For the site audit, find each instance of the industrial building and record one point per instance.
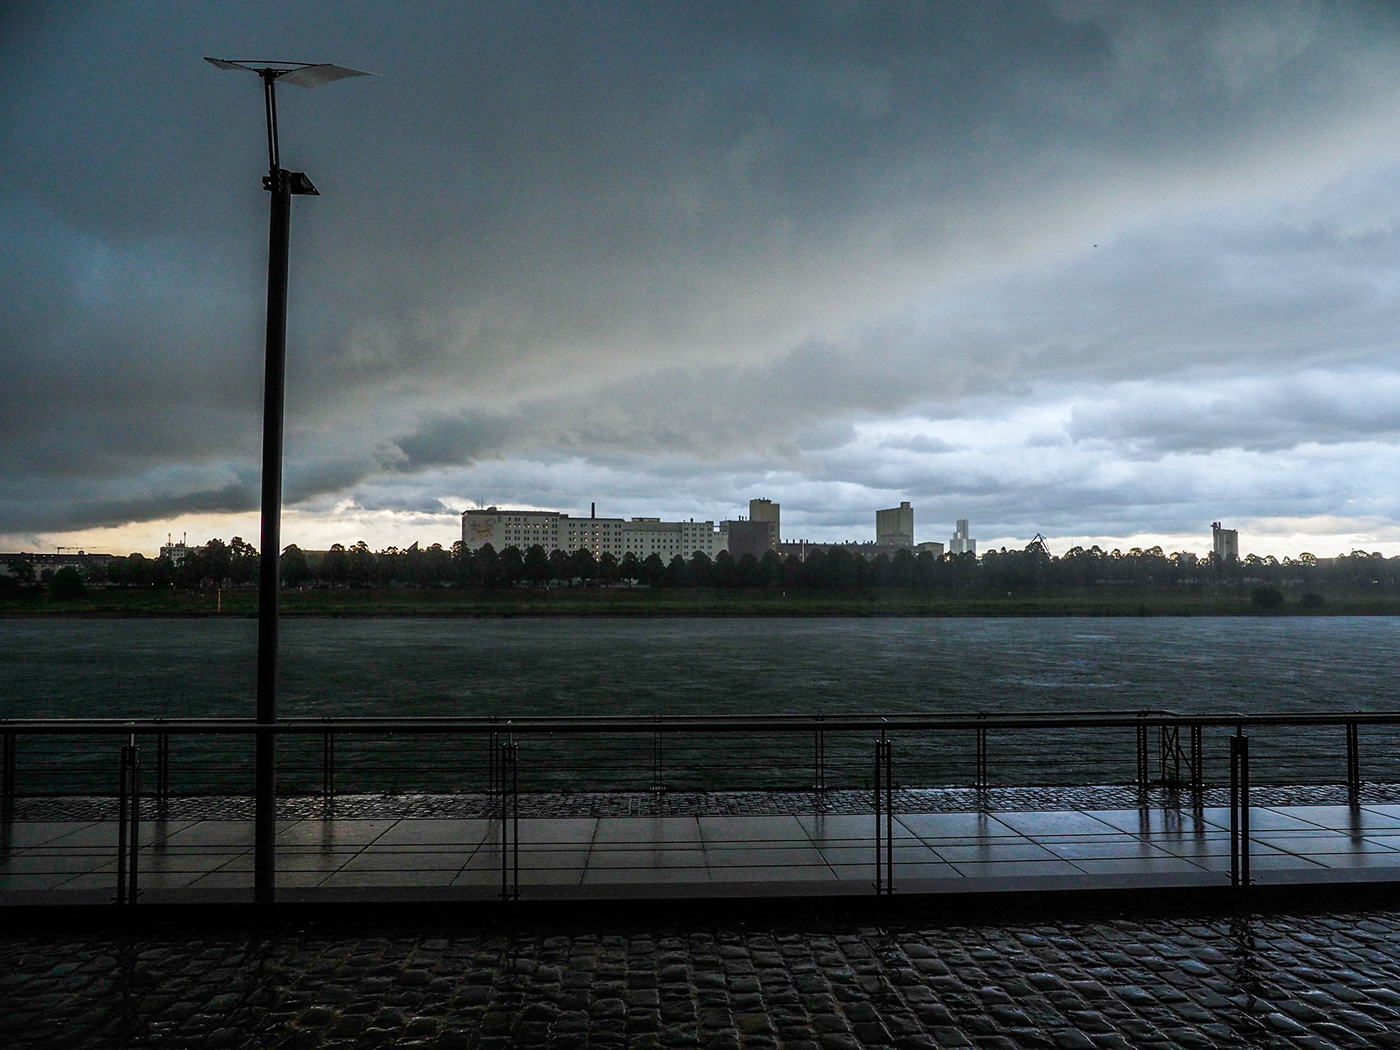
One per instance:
(895, 527)
(767, 510)
(1224, 542)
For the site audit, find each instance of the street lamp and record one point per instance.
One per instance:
(282, 184)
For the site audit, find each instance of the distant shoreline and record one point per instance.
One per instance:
(671, 603)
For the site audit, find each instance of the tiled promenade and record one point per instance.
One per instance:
(358, 855)
(814, 975)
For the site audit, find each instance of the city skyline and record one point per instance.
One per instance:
(1102, 275)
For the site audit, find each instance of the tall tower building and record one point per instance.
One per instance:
(895, 527)
(766, 510)
(1225, 542)
(961, 542)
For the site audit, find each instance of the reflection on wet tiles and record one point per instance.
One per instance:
(1261, 818)
(662, 874)
(752, 829)
(1016, 869)
(336, 832)
(387, 852)
(1158, 865)
(998, 852)
(763, 858)
(451, 833)
(646, 859)
(774, 873)
(954, 825)
(1105, 849)
(1341, 818)
(1149, 822)
(647, 829)
(1039, 825)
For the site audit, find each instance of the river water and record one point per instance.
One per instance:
(504, 667)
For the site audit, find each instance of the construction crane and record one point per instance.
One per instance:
(1039, 544)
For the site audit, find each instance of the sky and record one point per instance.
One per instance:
(1101, 272)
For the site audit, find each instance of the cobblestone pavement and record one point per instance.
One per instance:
(819, 983)
(709, 803)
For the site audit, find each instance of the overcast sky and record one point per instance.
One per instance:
(1104, 272)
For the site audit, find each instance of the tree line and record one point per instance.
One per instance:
(1031, 571)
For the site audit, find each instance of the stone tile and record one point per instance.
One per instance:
(650, 829)
(1043, 825)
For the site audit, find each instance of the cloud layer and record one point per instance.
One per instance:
(1074, 269)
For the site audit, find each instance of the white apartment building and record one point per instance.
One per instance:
(553, 531)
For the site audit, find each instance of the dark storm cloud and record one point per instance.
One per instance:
(685, 234)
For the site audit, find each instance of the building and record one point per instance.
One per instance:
(748, 537)
(553, 531)
(767, 510)
(934, 548)
(179, 553)
(895, 527)
(961, 542)
(1225, 542)
(49, 563)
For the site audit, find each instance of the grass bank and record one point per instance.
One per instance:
(664, 602)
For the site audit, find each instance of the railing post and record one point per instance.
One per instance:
(1239, 810)
(162, 766)
(510, 821)
(658, 785)
(493, 744)
(981, 778)
(128, 821)
(1169, 754)
(1353, 763)
(884, 812)
(819, 759)
(1142, 770)
(1197, 760)
(8, 753)
(327, 767)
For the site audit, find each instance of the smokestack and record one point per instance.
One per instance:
(593, 510)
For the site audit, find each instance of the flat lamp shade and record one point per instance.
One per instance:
(324, 73)
(304, 77)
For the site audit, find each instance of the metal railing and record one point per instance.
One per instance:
(503, 758)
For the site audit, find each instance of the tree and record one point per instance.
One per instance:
(335, 567)
(653, 570)
(582, 566)
(361, 564)
(630, 568)
(243, 562)
(67, 584)
(295, 571)
(536, 565)
(698, 572)
(1267, 597)
(607, 567)
(675, 571)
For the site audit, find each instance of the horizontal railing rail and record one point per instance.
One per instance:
(500, 758)
(685, 723)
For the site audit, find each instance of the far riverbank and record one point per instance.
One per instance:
(668, 602)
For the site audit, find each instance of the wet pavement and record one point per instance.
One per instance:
(816, 982)
(1187, 844)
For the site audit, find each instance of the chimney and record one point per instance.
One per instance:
(593, 510)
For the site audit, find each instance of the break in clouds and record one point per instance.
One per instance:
(1061, 268)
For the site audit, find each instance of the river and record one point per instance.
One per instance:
(504, 667)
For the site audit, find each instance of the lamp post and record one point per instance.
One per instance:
(282, 184)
